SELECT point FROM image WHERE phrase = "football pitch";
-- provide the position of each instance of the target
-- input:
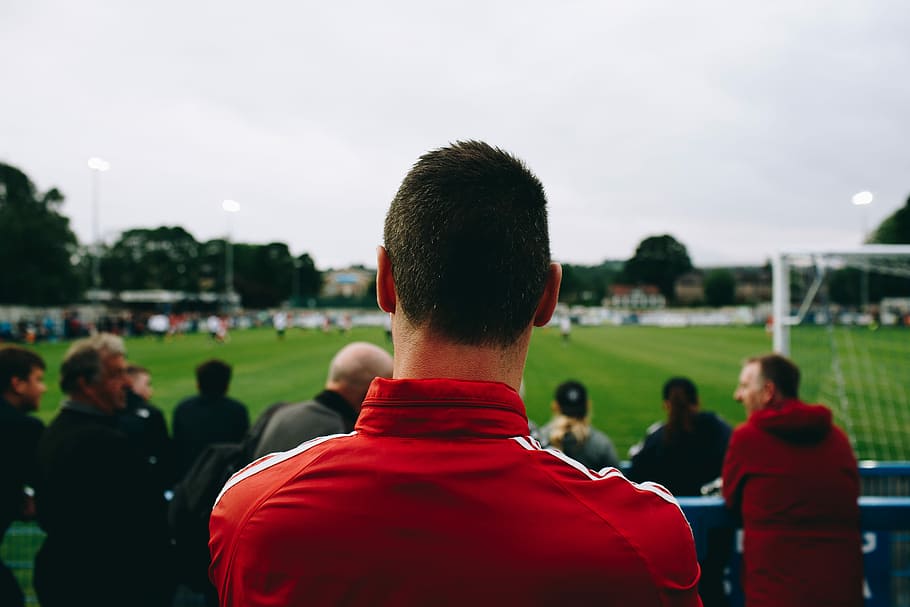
(623, 367)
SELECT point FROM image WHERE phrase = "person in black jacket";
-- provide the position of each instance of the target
(144, 424)
(687, 451)
(209, 417)
(21, 387)
(107, 542)
(684, 454)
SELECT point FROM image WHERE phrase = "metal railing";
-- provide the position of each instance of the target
(886, 545)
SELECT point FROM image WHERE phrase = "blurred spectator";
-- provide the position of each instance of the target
(209, 417)
(144, 424)
(792, 476)
(107, 541)
(684, 454)
(21, 387)
(335, 409)
(571, 432)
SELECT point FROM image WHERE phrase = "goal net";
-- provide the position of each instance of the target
(844, 317)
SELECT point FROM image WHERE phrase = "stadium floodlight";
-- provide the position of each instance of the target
(861, 199)
(98, 164)
(231, 206)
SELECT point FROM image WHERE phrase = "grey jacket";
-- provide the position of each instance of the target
(327, 413)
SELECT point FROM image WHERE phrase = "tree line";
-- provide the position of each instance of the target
(44, 263)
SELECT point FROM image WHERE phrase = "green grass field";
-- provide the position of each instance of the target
(623, 367)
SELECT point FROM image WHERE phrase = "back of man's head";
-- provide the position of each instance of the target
(84, 359)
(213, 377)
(467, 239)
(354, 367)
(780, 371)
(17, 362)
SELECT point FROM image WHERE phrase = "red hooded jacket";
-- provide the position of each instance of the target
(439, 497)
(793, 477)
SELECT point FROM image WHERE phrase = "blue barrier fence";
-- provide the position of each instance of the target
(884, 506)
(886, 543)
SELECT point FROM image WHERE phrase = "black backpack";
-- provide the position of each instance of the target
(194, 497)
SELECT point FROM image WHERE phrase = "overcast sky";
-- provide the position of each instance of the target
(739, 128)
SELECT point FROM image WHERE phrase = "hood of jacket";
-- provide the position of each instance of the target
(795, 421)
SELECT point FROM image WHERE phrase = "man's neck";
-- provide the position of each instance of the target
(12, 399)
(420, 355)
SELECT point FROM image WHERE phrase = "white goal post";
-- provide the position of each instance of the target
(868, 257)
(850, 340)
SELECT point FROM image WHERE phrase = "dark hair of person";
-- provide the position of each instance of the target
(682, 396)
(780, 371)
(213, 377)
(467, 238)
(17, 362)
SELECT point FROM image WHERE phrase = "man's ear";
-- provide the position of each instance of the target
(771, 393)
(16, 384)
(550, 296)
(83, 385)
(385, 284)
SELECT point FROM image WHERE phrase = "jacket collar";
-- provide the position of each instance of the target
(442, 407)
(336, 402)
(84, 408)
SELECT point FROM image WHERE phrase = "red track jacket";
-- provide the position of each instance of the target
(793, 476)
(439, 497)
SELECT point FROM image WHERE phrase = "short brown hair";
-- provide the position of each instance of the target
(468, 242)
(17, 362)
(780, 371)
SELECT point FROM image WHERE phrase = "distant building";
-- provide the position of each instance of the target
(753, 284)
(690, 288)
(350, 282)
(635, 297)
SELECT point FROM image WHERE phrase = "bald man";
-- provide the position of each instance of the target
(335, 409)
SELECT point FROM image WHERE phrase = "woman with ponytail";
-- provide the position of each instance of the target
(687, 451)
(684, 454)
(570, 429)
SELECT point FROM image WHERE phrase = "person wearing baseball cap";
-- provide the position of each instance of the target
(571, 432)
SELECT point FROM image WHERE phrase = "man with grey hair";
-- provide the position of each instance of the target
(335, 409)
(107, 541)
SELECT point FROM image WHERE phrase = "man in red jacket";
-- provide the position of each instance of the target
(439, 496)
(793, 477)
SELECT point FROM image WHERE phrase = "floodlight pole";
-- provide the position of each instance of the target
(97, 166)
(230, 207)
(863, 200)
